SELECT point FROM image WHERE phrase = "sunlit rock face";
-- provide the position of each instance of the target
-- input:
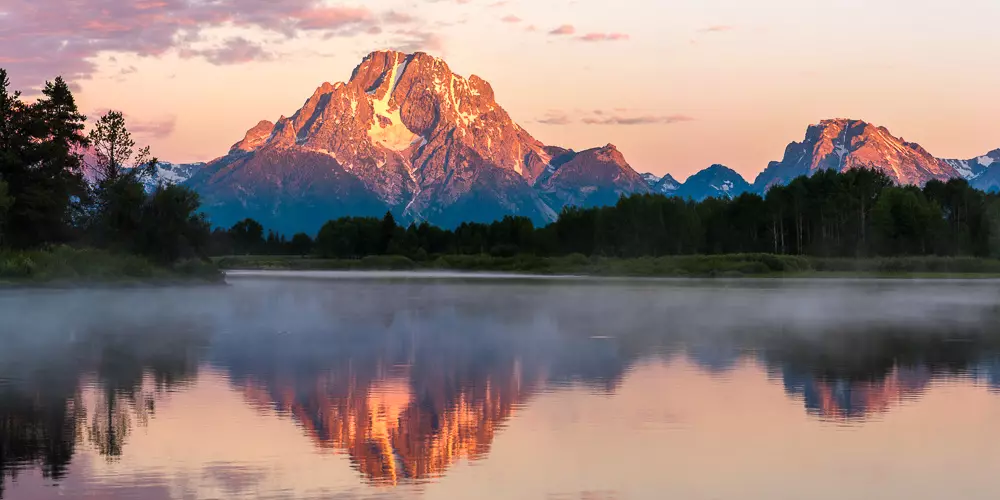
(843, 144)
(405, 134)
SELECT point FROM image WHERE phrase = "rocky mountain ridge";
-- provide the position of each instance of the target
(408, 135)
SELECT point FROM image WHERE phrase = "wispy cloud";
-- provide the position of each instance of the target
(553, 117)
(414, 40)
(604, 37)
(630, 119)
(566, 29)
(233, 51)
(157, 128)
(395, 17)
(717, 28)
(618, 116)
(511, 19)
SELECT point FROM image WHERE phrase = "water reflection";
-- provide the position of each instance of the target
(407, 380)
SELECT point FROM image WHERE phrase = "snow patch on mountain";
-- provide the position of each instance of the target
(962, 167)
(387, 128)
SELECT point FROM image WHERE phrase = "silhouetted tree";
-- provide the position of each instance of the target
(301, 244)
(247, 236)
(40, 162)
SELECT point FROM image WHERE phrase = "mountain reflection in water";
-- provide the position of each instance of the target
(406, 379)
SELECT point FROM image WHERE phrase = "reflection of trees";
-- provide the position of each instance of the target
(408, 379)
(38, 430)
(43, 407)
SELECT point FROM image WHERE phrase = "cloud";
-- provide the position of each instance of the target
(618, 116)
(604, 37)
(394, 17)
(146, 129)
(555, 118)
(717, 29)
(566, 29)
(41, 39)
(153, 129)
(233, 51)
(415, 40)
(511, 19)
(332, 18)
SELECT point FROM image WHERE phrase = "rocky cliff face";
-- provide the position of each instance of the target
(844, 144)
(419, 140)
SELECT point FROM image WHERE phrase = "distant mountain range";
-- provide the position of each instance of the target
(407, 135)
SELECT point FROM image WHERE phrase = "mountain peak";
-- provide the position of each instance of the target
(842, 144)
(716, 181)
(255, 137)
(426, 143)
(717, 168)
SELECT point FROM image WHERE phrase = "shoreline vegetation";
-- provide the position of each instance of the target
(64, 266)
(87, 209)
(687, 266)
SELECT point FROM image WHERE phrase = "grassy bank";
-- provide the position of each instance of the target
(71, 266)
(738, 265)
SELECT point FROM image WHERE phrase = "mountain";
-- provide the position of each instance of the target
(661, 185)
(590, 178)
(982, 172)
(165, 173)
(843, 144)
(175, 173)
(408, 135)
(651, 179)
(717, 181)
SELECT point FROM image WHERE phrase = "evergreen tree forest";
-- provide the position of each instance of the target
(858, 213)
(46, 199)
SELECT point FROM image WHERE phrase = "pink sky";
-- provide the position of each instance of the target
(677, 85)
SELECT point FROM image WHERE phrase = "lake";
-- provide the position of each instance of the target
(454, 386)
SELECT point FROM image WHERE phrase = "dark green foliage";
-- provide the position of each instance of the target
(114, 148)
(171, 227)
(44, 200)
(66, 264)
(858, 213)
(5, 203)
(247, 236)
(39, 163)
(301, 244)
(351, 237)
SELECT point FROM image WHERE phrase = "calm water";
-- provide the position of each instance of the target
(443, 387)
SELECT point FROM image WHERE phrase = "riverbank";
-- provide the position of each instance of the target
(737, 265)
(66, 267)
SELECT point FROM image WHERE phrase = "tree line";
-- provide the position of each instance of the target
(49, 195)
(857, 213)
(45, 200)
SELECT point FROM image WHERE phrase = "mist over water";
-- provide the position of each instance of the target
(402, 385)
